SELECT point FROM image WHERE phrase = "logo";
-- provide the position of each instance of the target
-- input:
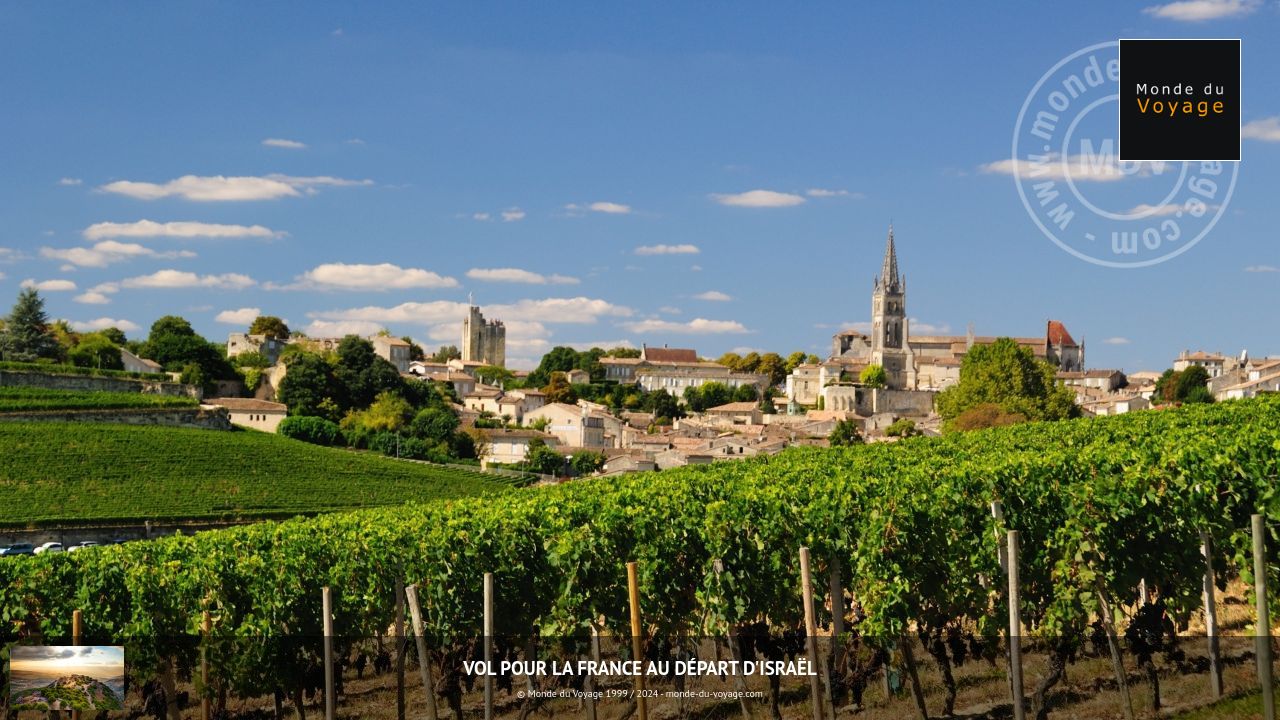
(1067, 168)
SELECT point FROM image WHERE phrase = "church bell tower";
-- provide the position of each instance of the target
(889, 348)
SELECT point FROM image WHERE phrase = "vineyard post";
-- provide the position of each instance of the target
(1211, 615)
(1264, 618)
(811, 633)
(326, 604)
(637, 641)
(909, 659)
(1117, 664)
(836, 594)
(590, 680)
(739, 685)
(400, 649)
(1002, 556)
(206, 627)
(488, 646)
(77, 637)
(1015, 628)
(424, 667)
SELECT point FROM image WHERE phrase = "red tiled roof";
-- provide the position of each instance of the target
(669, 354)
(1058, 334)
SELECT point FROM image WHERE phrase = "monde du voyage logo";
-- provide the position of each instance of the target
(1141, 183)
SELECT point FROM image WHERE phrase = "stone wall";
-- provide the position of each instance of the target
(902, 402)
(89, 383)
(105, 532)
(204, 417)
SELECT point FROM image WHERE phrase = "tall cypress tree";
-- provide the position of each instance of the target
(26, 336)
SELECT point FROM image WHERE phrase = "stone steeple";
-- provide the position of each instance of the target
(889, 278)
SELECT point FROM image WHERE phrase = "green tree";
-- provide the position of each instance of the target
(774, 366)
(251, 359)
(96, 351)
(311, 388)
(558, 359)
(1010, 377)
(745, 393)
(663, 405)
(795, 360)
(558, 390)
(434, 423)
(445, 354)
(364, 374)
(416, 353)
(493, 375)
(1192, 386)
(388, 413)
(115, 335)
(709, 395)
(586, 462)
(902, 427)
(985, 415)
(27, 335)
(175, 345)
(542, 459)
(873, 376)
(269, 325)
(845, 433)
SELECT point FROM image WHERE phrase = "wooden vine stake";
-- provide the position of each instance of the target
(811, 632)
(424, 666)
(836, 596)
(1015, 627)
(739, 685)
(488, 646)
(77, 637)
(400, 650)
(637, 640)
(1211, 616)
(1264, 619)
(326, 603)
(206, 628)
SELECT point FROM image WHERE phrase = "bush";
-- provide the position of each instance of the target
(315, 430)
(902, 428)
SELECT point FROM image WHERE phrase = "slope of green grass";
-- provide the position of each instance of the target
(69, 473)
(24, 399)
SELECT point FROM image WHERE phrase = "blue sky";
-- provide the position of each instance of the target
(583, 171)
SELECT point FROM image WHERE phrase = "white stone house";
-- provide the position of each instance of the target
(133, 363)
(510, 447)
(257, 414)
(393, 350)
(572, 425)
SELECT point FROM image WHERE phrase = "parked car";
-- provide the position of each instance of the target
(49, 547)
(18, 549)
(84, 544)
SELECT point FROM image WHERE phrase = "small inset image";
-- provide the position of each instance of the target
(66, 677)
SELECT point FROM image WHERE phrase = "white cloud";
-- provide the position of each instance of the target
(1197, 10)
(610, 207)
(1116, 341)
(512, 214)
(107, 252)
(179, 279)
(516, 275)
(9, 255)
(697, 326)
(70, 181)
(150, 228)
(283, 143)
(825, 193)
(92, 297)
(1262, 269)
(575, 310)
(103, 323)
(354, 141)
(668, 309)
(603, 344)
(49, 285)
(915, 326)
(713, 296)
(667, 250)
(758, 199)
(481, 216)
(243, 316)
(384, 276)
(341, 328)
(219, 188)
(2, 276)
(1162, 210)
(1080, 168)
(1267, 129)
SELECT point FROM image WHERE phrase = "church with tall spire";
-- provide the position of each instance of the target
(889, 347)
(910, 362)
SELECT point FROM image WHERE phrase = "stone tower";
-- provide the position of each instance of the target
(483, 340)
(889, 347)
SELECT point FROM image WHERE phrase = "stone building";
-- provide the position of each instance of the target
(257, 414)
(483, 340)
(911, 362)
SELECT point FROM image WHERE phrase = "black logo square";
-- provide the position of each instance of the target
(1179, 100)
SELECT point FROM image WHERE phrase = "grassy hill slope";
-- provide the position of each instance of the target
(67, 473)
(25, 399)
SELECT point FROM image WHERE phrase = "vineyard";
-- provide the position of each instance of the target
(67, 474)
(76, 370)
(1102, 506)
(26, 399)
